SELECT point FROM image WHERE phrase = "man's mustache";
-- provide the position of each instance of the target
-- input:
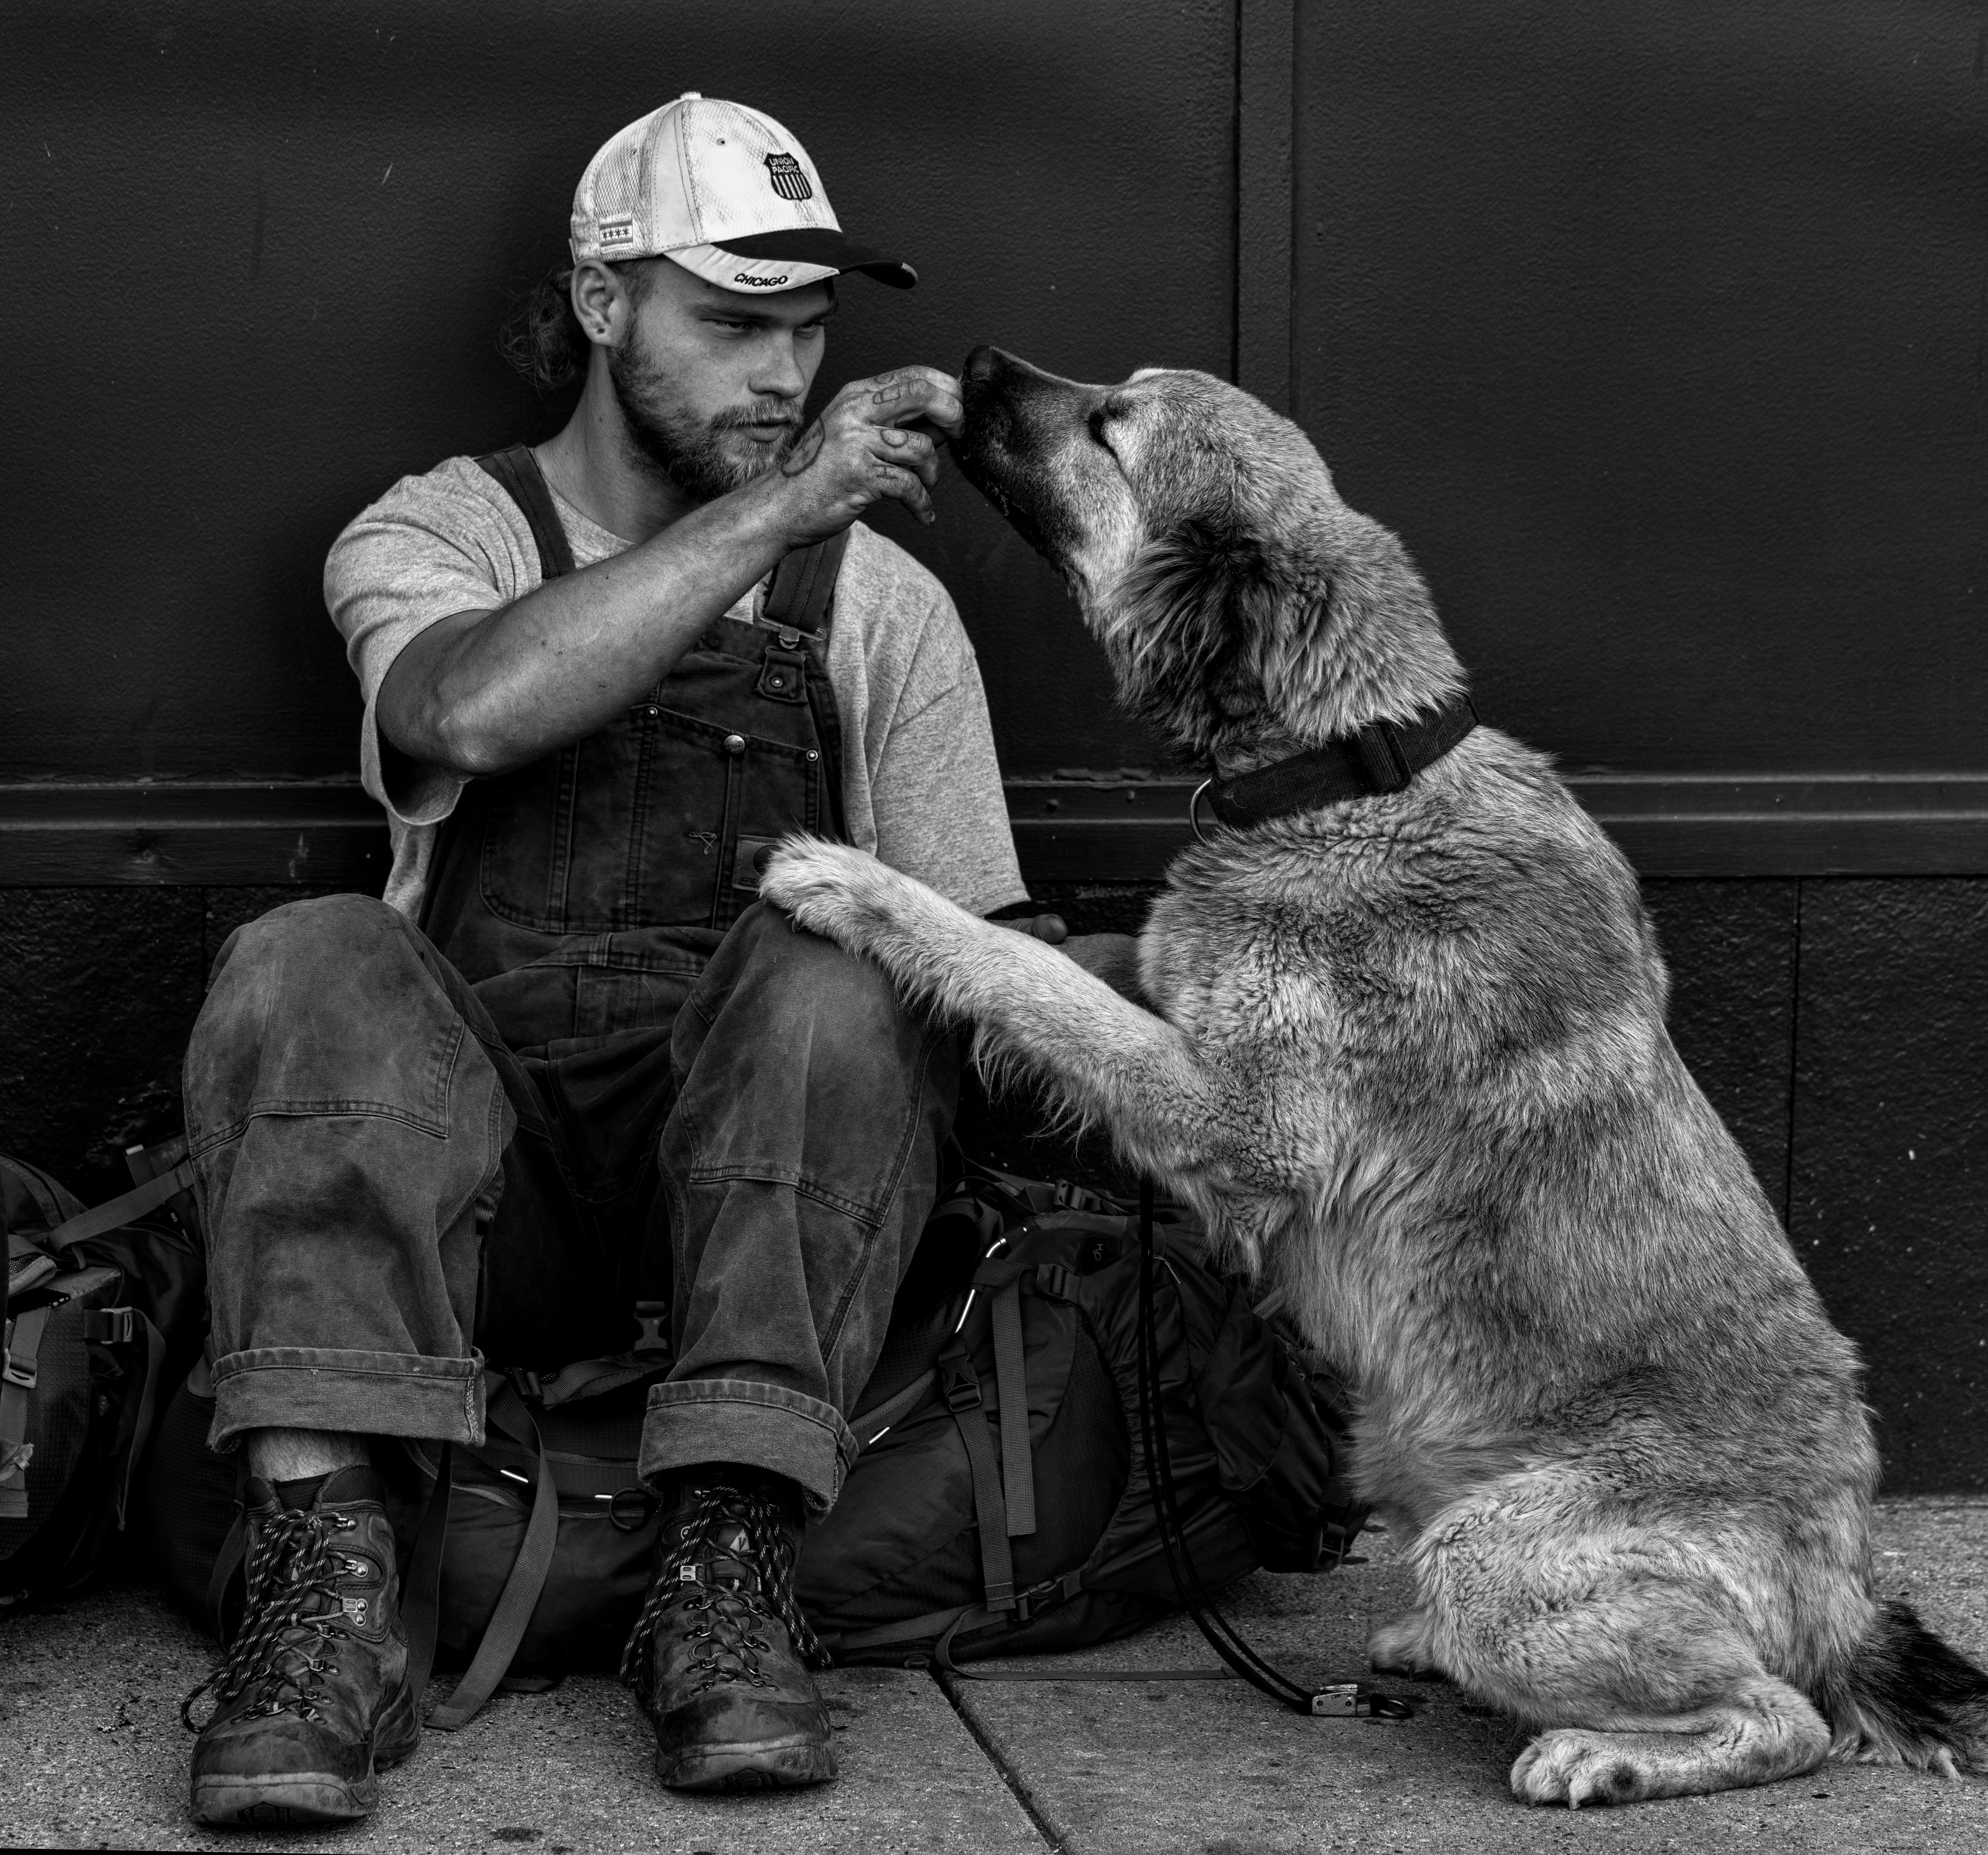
(788, 416)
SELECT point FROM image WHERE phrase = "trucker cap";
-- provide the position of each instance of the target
(724, 191)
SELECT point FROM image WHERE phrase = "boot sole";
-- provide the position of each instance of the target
(750, 1765)
(296, 1799)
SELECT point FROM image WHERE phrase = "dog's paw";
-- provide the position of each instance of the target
(831, 889)
(1572, 1767)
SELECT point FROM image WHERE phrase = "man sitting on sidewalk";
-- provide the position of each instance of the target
(567, 1061)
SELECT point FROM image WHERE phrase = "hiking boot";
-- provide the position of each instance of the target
(314, 1696)
(720, 1657)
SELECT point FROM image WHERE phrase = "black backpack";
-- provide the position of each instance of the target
(1001, 1505)
(104, 1310)
(960, 1531)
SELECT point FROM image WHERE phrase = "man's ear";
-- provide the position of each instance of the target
(601, 303)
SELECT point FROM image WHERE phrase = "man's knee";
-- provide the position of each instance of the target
(335, 932)
(807, 978)
(318, 1002)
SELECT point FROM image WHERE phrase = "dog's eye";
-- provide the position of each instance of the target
(1098, 429)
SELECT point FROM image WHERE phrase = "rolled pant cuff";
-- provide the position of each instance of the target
(737, 1420)
(367, 1393)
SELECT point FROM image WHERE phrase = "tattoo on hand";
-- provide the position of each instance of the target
(807, 447)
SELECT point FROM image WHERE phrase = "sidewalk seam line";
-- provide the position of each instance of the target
(984, 1740)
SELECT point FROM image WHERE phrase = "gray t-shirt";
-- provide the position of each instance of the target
(924, 794)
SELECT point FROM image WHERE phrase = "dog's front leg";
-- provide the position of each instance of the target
(1107, 1060)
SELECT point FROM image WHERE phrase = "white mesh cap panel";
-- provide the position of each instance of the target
(691, 174)
(745, 173)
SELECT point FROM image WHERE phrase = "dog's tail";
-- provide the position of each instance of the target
(1906, 1698)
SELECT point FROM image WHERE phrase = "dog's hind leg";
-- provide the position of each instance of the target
(1633, 1648)
(1763, 1730)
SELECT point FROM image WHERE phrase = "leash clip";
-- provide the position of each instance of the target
(1349, 1701)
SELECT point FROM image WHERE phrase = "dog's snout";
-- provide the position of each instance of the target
(984, 365)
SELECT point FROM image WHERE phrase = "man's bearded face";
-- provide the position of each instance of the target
(704, 454)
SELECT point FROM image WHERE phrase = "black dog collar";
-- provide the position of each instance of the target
(1383, 757)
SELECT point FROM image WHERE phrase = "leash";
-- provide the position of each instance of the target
(1335, 1699)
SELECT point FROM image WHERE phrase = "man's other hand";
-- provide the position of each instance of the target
(859, 451)
(1112, 957)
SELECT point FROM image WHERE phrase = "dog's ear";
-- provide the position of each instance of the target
(1193, 611)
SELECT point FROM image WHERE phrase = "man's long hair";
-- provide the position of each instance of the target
(541, 337)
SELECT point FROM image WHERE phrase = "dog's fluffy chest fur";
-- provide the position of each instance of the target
(1468, 1154)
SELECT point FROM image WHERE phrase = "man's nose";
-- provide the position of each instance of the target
(780, 374)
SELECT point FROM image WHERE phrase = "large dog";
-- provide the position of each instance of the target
(1406, 1053)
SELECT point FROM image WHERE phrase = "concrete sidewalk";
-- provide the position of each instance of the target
(92, 1754)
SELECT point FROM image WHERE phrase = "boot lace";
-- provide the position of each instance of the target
(278, 1649)
(733, 1611)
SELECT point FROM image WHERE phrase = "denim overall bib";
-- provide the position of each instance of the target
(581, 894)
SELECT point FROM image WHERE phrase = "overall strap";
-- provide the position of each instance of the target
(518, 471)
(804, 585)
(800, 599)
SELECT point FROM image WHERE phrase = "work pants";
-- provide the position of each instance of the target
(390, 1194)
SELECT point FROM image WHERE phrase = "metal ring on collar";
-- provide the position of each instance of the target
(1194, 810)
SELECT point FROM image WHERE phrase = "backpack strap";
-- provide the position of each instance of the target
(961, 1384)
(513, 1617)
(119, 1326)
(117, 1212)
(22, 1346)
(1011, 1386)
(517, 471)
(227, 1563)
(894, 1410)
(421, 1590)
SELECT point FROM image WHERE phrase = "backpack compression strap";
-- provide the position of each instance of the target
(961, 1384)
(513, 1617)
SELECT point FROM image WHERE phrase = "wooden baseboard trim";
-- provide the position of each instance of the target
(1070, 827)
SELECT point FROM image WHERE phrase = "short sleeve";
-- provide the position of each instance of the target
(448, 542)
(941, 813)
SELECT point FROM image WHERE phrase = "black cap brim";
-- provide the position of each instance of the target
(816, 244)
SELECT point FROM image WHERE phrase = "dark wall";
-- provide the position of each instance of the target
(1657, 331)
(1655, 328)
(265, 245)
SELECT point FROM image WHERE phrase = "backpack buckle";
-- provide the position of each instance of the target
(961, 1386)
(1056, 1281)
(650, 1316)
(109, 1325)
(23, 1372)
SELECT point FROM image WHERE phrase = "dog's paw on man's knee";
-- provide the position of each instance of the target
(828, 888)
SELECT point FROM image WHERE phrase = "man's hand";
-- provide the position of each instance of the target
(858, 451)
(1112, 957)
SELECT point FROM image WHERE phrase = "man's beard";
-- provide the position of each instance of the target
(689, 452)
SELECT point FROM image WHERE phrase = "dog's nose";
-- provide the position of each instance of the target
(983, 364)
